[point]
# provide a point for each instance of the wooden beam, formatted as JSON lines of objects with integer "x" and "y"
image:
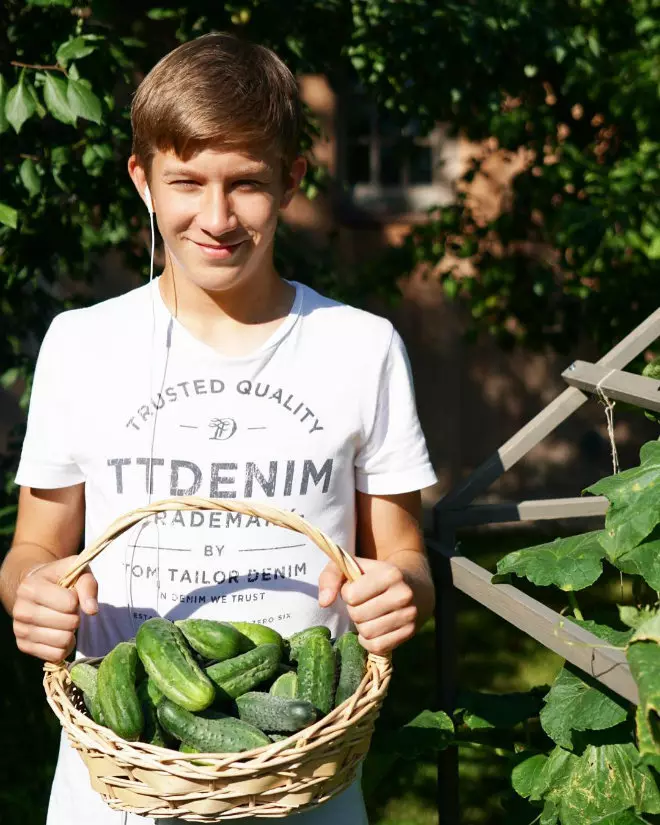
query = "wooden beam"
{"x": 532, "y": 510}
{"x": 548, "y": 419}
{"x": 615, "y": 384}
{"x": 605, "y": 663}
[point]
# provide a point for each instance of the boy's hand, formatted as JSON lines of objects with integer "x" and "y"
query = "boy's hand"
{"x": 380, "y": 603}
{"x": 46, "y": 614}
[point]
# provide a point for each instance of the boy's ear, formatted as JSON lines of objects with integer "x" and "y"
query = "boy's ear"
{"x": 139, "y": 177}
{"x": 296, "y": 174}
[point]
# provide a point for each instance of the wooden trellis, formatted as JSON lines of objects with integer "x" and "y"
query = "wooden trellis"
{"x": 458, "y": 509}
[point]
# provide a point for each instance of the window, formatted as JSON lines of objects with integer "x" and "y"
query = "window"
{"x": 387, "y": 170}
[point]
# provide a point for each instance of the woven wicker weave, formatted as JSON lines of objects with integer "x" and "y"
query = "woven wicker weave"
{"x": 302, "y": 771}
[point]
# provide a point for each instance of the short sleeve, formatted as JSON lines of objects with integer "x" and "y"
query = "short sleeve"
{"x": 393, "y": 457}
{"x": 47, "y": 455}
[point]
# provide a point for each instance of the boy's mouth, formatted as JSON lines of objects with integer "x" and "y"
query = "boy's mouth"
{"x": 219, "y": 251}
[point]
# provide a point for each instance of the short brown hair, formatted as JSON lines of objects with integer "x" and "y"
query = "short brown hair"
{"x": 217, "y": 90}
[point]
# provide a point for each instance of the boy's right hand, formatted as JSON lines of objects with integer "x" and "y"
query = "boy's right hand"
{"x": 46, "y": 615}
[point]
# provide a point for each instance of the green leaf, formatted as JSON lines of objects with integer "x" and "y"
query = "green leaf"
{"x": 83, "y": 102}
{"x": 578, "y": 702}
{"x": 644, "y": 660}
{"x": 30, "y": 177}
{"x": 526, "y": 774}
{"x": 644, "y": 561}
{"x": 55, "y": 95}
{"x": 569, "y": 563}
{"x": 20, "y": 104}
{"x": 634, "y": 497}
{"x": 604, "y": 781}
{"x": 66, "y": 3}
{"x": 8, "y": 216}
{"x": 4, "y": 123}
{"x": 653, "y": 251}
{"x": 621, "y": 818}
{"x": 633, "y": 617}
{"x": 618, "y": 638}
{"x": 162, "y": 14}
{"x": 74, "y": 49}
{"x": 494, "y": 710}
{"x": 428, "y": 733}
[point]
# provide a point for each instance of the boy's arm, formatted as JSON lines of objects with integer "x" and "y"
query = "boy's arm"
{"x": 395, "y": 596}
{"x": 48, "y": 531}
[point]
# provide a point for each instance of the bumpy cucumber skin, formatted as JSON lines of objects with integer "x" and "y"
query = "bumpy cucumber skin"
{"x": 254, "y": 635}
{"x": 155, "y": 693}
{"x": 236, "y": 676}
{"x": 352, "y": 661}
{"x": 211, "y": 639}
{"x": 168, "y": 660}
{"x": 85, "y": 677}
{"x": 117, "y": 693}
{"x": 275, "y": 713}
{"x": 214, "y": 734}
{"x": 285, "y": 685}
{"x": 317, "y": 673}
{"x": 153, "y": 732}
{"x": 297, "y": 639}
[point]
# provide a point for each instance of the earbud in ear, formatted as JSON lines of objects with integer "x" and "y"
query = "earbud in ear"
{"x": 147, "y": 199}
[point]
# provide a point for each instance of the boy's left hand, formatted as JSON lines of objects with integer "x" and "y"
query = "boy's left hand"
{"x": 380, "y": 603}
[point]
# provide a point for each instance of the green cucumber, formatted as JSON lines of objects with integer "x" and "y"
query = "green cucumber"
{"x": 211, "y": 639}
{"x": 297, "y": 639}
{"x": 275, "y": 713}
{"x": 317, "y": 673}
{"x": 236, "y": 676}
{"x": 210, "y": 733}
{"x": 285, "y": 685}
{"x": 254, "y": 635}
{"x": 85, "y": 677}
{"x": 169, "y": 662}
{"x": 153, "y": 732}
{"x": 352, "y": 661}
{"x": 117, "y": 693}
{"x": 155, "y": 693}
{"x": 278, "y": 737}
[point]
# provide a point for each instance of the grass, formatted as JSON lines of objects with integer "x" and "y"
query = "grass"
{"x": 493, "y": 656}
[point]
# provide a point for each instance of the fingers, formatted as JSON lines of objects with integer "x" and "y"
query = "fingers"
{"x": 87, "y": 589}
{"x": 387, "y": 643}
{"x": 379, "y": 578}
{"x": 47, "y": 636}
{"x": 38, "y": 590}
{"x": 45, "y": 617}
{"x": 45, "y": 652}
{"x": 389, "y": 623}
{"x": 330, "y": 582}
{"x": 397, "y": 597}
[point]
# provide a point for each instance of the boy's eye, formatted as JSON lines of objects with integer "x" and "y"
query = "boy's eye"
{"x": 186, "y": 184}
{"x": 248, "y": 184}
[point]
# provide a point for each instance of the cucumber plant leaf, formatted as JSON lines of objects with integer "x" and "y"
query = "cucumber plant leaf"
{"x": 643, "y": 560}
{"x": 634, "y": 497}
{"x": 617, "y": 638}
{"x": 604, "y": 781}
{"x": 644, "y": 661}
{"x": 571, "y": 563}
{"x": 577, "y": 702}
{"x": 498, "y": 710}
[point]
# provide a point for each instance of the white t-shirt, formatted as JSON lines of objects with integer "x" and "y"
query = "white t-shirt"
{"x": 129, "y": 402}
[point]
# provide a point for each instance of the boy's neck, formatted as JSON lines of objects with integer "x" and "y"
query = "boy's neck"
{"x": 235, "y": 322}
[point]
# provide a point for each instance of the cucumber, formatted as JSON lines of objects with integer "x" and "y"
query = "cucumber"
{"x": 211, "y": 733}
{"x": 285, "y": 685}
{"x": 352, "y": 661}
{"x": 297, "y": 639}
{"x": 275, "y": 713}
{"x": 169, "y": 662}
{"x": 316, "y": 673}
{"x": 85, "y": 677}
{"x": 154, "y": 692}
{"x": 153, "y": 732}
{"x": 117, "y": 693}
{"x": 211, "y": 639}
{"x": 278, "y": 737}
{"x": 258, "y": 634}
{"x": 244, "y": 672}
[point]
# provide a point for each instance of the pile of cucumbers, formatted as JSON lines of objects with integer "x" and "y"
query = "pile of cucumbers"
{"x": 205, "y": 686}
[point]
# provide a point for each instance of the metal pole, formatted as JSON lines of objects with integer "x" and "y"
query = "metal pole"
{"x": 446, "y": 671}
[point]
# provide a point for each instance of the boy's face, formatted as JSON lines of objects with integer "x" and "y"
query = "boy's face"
{"x": 217, "y": 212}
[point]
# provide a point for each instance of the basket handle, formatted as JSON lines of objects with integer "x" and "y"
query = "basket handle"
{"x": 281, "y": 518}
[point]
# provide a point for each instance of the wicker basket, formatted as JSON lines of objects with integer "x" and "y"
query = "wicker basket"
{"x": 276, "y": 780}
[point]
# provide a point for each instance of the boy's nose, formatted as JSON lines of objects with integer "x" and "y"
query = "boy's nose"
{"x": 217, "y": 216}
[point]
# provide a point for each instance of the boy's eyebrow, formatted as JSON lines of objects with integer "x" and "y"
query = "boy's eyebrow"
{"x": 242, "y": 171}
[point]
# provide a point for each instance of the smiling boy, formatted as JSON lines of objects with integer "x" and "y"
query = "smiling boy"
{"x": 220, "y": 379}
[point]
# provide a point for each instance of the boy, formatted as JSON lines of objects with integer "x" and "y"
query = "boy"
{"x": 218, "y": 379}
